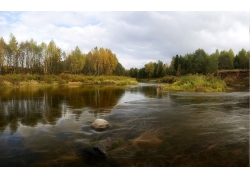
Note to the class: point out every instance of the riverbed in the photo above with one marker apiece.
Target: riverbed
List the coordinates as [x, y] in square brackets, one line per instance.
[52, 127]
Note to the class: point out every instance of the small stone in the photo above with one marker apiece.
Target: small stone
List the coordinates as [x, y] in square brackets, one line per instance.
[100, 125]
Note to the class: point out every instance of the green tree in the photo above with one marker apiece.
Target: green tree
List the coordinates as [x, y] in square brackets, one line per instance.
[243, 59]
[158, 69]
[198, 62]
[212, 63]
[225, 61]
[176, 62]
[141, 73]
[53, 59]
[231, 53]
[133, 72]
[76, 61]
[178, 73]
[236, 62]
[149, 69]
[170, 70]
[119, 70]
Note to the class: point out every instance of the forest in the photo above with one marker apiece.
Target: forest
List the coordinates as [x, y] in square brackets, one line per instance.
[198, 62]
[29, 57]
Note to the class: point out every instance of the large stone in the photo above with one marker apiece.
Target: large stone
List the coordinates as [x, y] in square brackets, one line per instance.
[106, 145]
[100, 125]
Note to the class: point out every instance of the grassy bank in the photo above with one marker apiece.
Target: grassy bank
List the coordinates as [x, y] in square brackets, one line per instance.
[13, 80]
[198, 83]
[166, 79]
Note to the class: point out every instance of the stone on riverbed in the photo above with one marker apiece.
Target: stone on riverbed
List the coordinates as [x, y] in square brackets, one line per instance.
[108, 144]
[100, 125]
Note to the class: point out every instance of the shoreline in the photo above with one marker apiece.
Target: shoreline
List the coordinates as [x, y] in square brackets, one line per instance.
[28, 80]
[200, 83]
[192, 83]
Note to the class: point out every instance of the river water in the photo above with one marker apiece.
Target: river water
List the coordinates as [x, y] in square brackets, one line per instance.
[51, 127]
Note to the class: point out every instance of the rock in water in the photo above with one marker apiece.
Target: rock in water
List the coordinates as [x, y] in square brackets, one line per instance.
[107, 145]
[100, 125]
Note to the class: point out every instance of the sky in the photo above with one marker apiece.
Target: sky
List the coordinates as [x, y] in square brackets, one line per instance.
[136, 37]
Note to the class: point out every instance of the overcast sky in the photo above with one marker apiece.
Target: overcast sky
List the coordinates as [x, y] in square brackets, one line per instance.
[136, 37]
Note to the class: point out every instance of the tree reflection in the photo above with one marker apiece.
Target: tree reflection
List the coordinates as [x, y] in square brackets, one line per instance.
[151, 91]
[31, 106]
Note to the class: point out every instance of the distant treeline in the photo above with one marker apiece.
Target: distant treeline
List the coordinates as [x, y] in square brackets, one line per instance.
[30, 57]
[198, 62]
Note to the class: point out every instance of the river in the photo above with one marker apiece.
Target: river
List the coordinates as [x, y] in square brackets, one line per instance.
[51, 127]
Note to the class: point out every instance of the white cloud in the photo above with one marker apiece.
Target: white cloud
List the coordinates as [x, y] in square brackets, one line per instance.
[135, 37]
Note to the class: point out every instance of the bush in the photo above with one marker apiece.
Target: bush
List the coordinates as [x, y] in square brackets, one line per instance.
[5, 83]
[168, 79]
[198, 83]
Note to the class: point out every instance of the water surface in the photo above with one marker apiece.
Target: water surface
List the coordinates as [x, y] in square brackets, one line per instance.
[51, 127]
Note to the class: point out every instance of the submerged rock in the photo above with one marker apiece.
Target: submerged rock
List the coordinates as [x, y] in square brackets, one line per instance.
[108, 144]
[100, 125]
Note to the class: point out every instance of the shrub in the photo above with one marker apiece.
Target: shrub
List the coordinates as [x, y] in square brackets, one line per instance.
[5, 83]
[168, 79]
[198, 83]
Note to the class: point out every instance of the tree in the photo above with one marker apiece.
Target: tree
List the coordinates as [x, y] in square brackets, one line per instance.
[158, 69]
[141, 73]
[212, 63]
[13, 53]
[176, 62]
[96, 58]
[119, 70]
[170, 70]
[2, 54]
[43, 59]
[198, 62]
[149, 69]
[231, 53]
[112, 62]
[22, 56]
[34, 56]
[236, 62]
[225, 61]
[243, 59]
[89, 67]
[52, 59]
[29, 57]
[178, 73]
[76, 61]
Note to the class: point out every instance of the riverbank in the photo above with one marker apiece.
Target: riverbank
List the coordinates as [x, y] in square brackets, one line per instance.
[16, 80]
[201, 83]
[198, 83]
[165, 79]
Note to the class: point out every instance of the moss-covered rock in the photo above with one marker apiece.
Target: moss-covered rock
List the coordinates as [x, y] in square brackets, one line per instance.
[103, 146]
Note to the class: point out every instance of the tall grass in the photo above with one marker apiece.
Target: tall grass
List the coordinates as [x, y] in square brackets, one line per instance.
[62, 79]
[198, 83]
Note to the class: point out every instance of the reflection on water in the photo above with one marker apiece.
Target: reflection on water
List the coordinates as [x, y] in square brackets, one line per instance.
[33, 106]
[51, 127]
